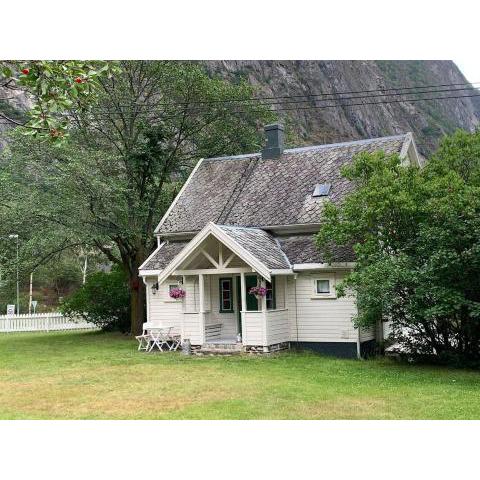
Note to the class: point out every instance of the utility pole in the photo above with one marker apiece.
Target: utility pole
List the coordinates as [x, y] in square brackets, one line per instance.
[15, 236]
[85, 269]
[30, 297]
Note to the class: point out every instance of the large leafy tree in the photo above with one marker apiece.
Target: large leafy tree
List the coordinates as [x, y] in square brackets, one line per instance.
[416, 235]
[126, 157]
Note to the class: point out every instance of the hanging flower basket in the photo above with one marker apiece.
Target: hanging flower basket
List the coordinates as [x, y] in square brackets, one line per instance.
[259, 292]
[177, 293]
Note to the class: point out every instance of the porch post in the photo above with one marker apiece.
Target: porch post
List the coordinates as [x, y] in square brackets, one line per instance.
[243, 290]
[263, 308]
[184, 307]
[201, 305]
[243, 295]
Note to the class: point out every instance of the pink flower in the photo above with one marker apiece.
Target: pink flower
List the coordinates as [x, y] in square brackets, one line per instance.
[258, 291]
[177, 293]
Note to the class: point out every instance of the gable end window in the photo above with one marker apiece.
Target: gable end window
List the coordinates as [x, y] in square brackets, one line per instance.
[226, 295]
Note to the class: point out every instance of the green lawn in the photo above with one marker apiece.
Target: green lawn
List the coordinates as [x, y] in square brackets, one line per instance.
[102, 376]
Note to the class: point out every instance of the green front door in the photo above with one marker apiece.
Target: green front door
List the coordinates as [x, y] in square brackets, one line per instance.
[252, 302]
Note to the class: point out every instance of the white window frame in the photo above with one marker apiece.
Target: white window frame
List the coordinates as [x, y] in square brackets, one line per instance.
[331, 294]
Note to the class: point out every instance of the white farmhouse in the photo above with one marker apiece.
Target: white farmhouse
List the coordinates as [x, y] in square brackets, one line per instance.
[249, 220]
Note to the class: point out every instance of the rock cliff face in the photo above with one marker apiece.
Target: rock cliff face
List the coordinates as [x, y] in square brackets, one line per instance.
[428, 120]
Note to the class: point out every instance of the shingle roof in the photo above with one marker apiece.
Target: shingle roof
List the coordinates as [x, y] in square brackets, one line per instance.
[167, 252]
[260, 244]
[274, 253]
[247, 190]
[302, 249]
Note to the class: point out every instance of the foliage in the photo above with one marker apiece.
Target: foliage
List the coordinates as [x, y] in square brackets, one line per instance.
[416, 236]
[55, 86]
[108, 186]
[104, 300]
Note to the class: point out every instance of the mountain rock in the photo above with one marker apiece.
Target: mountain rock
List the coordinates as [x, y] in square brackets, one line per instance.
[428, 120]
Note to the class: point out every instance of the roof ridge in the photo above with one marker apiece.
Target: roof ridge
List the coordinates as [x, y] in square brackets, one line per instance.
[312, 147]
[344, 144]
[240, 227]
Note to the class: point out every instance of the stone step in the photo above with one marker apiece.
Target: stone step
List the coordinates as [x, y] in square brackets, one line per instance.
[221, 348]
[224, 346]
[217, 351]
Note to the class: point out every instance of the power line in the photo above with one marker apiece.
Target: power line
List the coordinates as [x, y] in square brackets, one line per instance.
[280, 109]
[337, 105]
[123, 112]
[261, 99]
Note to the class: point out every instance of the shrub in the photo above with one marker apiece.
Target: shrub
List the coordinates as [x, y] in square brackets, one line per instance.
[104, 300]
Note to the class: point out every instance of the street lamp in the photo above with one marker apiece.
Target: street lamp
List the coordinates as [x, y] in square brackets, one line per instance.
[15, 236]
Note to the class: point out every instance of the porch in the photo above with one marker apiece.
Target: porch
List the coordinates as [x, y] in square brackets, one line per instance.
[207, 323]
[217, 309]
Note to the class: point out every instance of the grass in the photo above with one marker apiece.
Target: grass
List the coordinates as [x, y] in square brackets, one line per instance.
[102, 376]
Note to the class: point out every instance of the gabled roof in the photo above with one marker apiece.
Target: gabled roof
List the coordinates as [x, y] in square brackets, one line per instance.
[254, 246]
[260, 244]
[249, 191]
[302, 249]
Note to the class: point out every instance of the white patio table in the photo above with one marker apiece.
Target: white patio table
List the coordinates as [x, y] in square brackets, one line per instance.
[158, 336]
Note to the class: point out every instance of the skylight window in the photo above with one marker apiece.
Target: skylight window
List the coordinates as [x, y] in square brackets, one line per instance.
[322, 190]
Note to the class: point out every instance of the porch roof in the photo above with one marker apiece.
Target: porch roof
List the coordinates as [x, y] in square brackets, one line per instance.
[260, 244]
[257, 248]
[274, 252]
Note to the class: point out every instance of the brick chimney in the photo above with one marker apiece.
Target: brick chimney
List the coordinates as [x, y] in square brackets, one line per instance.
[274, 147]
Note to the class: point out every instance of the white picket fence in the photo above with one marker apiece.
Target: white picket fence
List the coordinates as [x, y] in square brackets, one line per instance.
[41, 322]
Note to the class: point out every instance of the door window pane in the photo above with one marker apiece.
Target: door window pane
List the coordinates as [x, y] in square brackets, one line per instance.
[226, 295]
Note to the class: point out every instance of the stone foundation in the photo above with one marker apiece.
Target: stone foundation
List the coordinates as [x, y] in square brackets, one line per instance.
[260, 350]
[234, 349]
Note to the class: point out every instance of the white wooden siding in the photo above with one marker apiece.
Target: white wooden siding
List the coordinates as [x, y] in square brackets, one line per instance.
[277, 325]
[367, 334]
[191, 328]
[253, 328]
[161, 308]
[280, 291]
[319, 319]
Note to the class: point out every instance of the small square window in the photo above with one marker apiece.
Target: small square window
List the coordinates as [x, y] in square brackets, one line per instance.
[323, 287]
[171, 287]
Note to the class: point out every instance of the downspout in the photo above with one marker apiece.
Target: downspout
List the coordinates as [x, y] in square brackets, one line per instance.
[296, 304]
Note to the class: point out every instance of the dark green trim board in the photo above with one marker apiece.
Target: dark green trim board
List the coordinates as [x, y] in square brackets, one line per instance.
[368, 348]
[336, 349]
[220, 294]
[239, 305]
[252, 302]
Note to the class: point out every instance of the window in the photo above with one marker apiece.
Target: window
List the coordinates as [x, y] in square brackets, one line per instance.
[171, 287]
[226, 295]
[323, 286]
[321, 190]
[270, 297]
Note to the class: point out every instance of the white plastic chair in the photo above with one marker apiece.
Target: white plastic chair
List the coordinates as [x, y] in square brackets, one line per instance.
[143, 340]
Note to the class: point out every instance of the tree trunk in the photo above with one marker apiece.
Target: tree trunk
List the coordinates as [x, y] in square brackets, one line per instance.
[137, 308]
